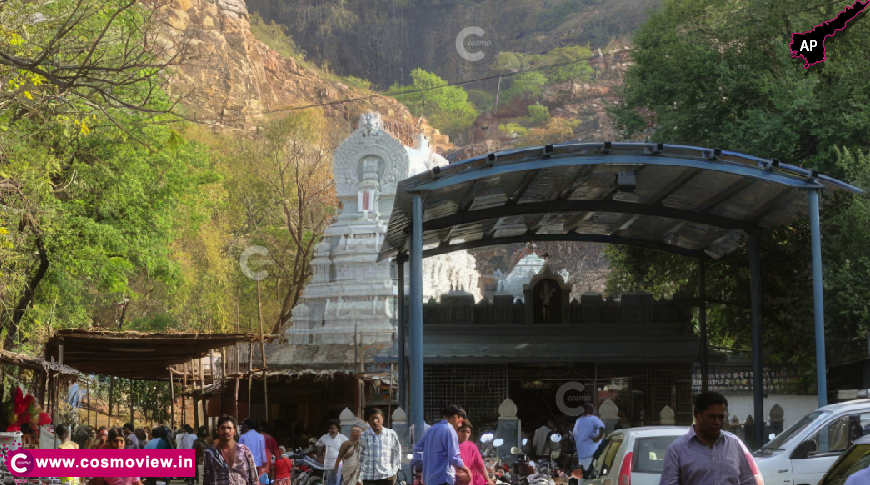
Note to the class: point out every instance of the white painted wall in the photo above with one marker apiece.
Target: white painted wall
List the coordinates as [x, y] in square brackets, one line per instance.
[795, 407]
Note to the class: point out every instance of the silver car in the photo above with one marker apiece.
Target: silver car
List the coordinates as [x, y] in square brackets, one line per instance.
[633, 456]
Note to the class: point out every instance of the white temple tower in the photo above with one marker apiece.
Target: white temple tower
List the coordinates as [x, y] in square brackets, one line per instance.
[351, 294]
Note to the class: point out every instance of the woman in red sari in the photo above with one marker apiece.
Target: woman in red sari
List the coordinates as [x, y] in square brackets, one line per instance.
[471, 457]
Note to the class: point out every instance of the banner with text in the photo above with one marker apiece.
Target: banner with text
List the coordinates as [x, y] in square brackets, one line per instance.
[101, 463]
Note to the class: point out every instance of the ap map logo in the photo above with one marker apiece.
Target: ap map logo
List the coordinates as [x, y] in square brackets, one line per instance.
[810, 45]
[20, 463]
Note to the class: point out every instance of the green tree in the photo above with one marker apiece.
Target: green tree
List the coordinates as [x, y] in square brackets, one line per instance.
[91, 171]
[279, 194]
[539, 114]
[447, 108]
[721, 76]
[530, 83]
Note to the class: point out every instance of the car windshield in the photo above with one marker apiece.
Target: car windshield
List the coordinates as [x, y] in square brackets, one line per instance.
[793, 430]
[853, 460]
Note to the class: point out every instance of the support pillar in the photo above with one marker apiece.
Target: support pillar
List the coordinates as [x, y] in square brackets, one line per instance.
[416, 321]
[818, 299]
[401, 335]
[702, 325]
[757, 356]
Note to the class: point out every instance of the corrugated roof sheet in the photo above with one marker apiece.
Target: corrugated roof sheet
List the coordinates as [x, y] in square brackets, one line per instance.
[688, 200]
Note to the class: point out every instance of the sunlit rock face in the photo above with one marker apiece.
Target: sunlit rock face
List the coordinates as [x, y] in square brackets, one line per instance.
[228, 79]
[352, 296]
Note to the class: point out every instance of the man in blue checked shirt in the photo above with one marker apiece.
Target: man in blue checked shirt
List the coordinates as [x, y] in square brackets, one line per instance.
[380, 453]
[438, 449]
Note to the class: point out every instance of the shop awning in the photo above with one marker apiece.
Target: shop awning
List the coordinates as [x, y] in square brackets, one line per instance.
[134, 355]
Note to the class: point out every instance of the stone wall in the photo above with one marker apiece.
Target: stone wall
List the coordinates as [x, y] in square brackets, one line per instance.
[592, 310]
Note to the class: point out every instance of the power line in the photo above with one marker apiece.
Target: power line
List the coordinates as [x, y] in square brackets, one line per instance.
[387, 94]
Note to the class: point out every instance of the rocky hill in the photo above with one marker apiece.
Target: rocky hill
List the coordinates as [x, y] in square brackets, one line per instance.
[230, 79]
[383, 40]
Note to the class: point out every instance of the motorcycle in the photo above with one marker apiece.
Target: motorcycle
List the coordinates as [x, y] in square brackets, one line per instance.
[307, 471]
[523, 468]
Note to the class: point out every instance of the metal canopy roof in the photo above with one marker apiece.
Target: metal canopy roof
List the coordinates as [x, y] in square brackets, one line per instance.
[688, 200]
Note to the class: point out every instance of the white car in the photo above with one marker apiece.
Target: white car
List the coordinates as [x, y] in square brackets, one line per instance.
[803, 453]
[633, 456]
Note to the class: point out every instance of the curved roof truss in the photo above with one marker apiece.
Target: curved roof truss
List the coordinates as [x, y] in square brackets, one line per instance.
[685, 200]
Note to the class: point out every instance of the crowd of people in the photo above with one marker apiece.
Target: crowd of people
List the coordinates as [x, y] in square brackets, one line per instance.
[445, 454]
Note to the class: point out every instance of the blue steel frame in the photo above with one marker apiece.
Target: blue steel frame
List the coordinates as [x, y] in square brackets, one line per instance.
[788, 175]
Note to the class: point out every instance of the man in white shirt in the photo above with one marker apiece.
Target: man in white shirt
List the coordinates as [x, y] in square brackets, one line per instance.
[187, 438]
[539, 441]
[588, 431]
[328, 446]
[132, 440]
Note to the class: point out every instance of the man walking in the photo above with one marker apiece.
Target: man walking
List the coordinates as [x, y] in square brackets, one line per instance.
[132, 441]
[187, 438]
[588, 431]
[255, 442]
[328, 447]
[438, 450]
[706, 454]
[380, 452]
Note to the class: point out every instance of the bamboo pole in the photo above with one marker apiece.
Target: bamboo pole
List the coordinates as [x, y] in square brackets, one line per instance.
[171, 403]
[111, 398]
[132, 412]
[223, 376]
[57, 385]
[195, 399]
[214, 381]
[201, 392]
[183, 406]
[237, 397]
[263, 351]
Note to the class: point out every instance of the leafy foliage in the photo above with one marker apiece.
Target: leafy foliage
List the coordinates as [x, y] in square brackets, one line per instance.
[92, 173]
[483, 101]
[447, 109]
[720, 75]
[539, 114]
